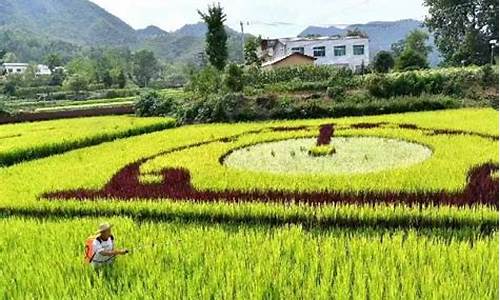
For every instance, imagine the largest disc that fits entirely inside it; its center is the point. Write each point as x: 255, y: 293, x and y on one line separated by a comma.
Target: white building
x: 15, y: 68
x: 20, y: 68
x: 351, y: 52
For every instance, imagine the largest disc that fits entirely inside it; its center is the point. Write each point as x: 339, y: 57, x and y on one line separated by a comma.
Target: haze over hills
x: 33, y: 28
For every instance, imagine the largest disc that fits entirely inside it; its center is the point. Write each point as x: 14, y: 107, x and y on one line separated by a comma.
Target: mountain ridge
x: 34, y: 28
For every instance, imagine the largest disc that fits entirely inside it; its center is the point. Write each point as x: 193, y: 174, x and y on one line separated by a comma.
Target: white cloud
x: 171, y: 15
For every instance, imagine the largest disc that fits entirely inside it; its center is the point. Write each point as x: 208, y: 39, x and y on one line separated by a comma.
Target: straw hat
x: 103, y: 227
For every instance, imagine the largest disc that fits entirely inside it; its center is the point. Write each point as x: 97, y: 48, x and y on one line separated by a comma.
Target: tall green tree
x: 53, y: 60
x: 2, y: 53
x: 411, y: 60
x: 145, y: 67
x: 383, y: 62
x: 416, y: 40
x: 412, y: 53
x: 251, y: 46
x: 121, y: 79
x: 216, y: 38
x: 10, y: 57
x: 463, y: 29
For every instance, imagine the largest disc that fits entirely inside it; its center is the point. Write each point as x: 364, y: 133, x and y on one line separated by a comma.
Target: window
x: 11, y: 70
x: 298, y: 50
x: 339, y: 50
x: 319, y: 51
x: 19, y: 70
x: 358, y: 49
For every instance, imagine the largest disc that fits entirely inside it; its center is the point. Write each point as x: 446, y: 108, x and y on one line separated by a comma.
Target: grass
x: 182, y: 260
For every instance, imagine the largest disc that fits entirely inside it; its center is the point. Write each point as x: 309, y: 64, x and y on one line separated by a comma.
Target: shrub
x: 336, y: 92
x: 411, y: 60
x: 119, y: 93
x: 205, y: 82
x: 76, y: 83
x: 306, y: 73
x: 4, y: 110
x: 459, y: 82
x: 383, y: 62
x: 9, y: 88
x: 233, y: 78
x: 488, y: 76
x: 323, y: 150
x: 153, y: 104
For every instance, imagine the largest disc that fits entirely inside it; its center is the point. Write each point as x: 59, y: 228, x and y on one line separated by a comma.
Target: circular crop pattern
x: 353, y: 155
x: 352, y: 163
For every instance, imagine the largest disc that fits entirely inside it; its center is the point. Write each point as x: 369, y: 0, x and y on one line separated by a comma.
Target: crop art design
x: 176, y: 183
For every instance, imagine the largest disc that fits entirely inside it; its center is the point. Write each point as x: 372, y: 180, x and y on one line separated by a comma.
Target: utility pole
x: 242, y: 40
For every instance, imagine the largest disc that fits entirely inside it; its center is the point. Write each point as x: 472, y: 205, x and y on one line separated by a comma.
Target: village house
x: 20, y: 68
x: 292, y: 59
x: 343, y: 51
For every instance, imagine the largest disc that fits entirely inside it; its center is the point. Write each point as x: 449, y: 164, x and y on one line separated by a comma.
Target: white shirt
x: 99, y: 247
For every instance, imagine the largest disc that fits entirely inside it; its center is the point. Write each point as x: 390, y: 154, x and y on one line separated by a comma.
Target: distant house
x: 15, y: 68
x: 20, y: 68
x: 291, y: 59
x: 342, y: 51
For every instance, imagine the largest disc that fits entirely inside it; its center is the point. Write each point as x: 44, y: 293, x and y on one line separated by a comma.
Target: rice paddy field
x: 386, y: 207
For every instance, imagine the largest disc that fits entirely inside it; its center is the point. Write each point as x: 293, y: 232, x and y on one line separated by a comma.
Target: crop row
x: 23, y: 142
x: 178, y: 260
x: 454, y: 156
x: 175, y: 181
x: 92, y: 168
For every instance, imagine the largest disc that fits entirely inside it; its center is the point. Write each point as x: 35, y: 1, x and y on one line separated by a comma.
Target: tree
x: 463, y: 30
x: 411, y: 60
x: 107, y: 79
x: 356, y: 32
x: 216, y: 38
x: 416, y: 40
x: 10, y: 88
x: 398, y: 47
x: 145, y: 67
x: 83, y: 66
x: 251, y: 46
x: 10, y: 57
x: 76, y: 83
x: 383, y: 62
x: 472, y: 51
x: 412, y: 53
x: 53, y: 60
x: 233, y: 78
x: 2, y: 53
x: 121, y: 79
x: 57, y: 77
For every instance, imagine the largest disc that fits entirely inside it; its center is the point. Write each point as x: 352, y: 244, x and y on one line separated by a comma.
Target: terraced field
x: 386, y: 207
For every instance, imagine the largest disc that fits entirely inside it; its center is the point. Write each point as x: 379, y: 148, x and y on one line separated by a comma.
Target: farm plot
x: 306, y: 209
x: 27, y: 141
x: 189, y: 164
x: 182, y: 260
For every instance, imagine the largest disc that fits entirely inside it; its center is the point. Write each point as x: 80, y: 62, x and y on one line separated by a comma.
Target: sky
x: 261, y: 16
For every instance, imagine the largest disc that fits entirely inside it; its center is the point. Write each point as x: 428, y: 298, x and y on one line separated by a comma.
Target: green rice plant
x: 323, y: 150
x: 93, y: 167
x: 177, y: 260
x: 27, y: 141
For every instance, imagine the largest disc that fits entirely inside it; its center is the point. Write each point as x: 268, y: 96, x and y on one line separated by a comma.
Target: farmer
x: 103, y: 250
